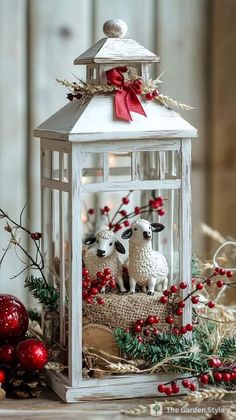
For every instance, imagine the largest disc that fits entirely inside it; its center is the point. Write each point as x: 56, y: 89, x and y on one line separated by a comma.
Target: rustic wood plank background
x: 40, y: 39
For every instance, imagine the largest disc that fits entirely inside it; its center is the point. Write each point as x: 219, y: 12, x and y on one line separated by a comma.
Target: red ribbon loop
x: 126, y: 99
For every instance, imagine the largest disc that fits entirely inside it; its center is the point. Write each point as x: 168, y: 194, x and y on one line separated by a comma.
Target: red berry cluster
x: 174, y: 388
x: 146, y: 327
x: 121, y: 218
x: 36, y: 236
x: 91, y: 288
x: 151, y: 95
x: 170, y: 297
x: 221, y: 372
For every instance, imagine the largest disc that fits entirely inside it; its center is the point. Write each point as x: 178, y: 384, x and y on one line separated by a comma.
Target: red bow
x: 126, y: 99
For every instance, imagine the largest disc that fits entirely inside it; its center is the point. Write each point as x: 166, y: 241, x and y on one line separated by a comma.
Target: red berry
x: 214, y: 362
x: 123, y: 213
x: 99, y: 274
x: 229, y: 273
x: 169, y: 319
x: 163, y: 299
x: 192, y: 386
x: 193, y: 280
x: 183, y: 285
x: 89, y: 299
x: 107, y: 271
x: 140, y: 322
x: 195, y: 299
x: 189, y: 327
x: 161, y: 212
x: 7, y: 353
x: 137, y: 328
x: 226, y: 377
x: 155, y: 331
x: 217, y: 376
x: 186, y: 383
x: 127, y: 330
x: 2, y: 376
x: 166, y: 292
x: 36, y: 236
x: 174, y: 288
x: 147, y: 332
x: 204, y: 378
x: 117, y: 227
x: 112, y: 284
x: 91, y: 211
x: 140, y: 339
x: 199, y: 286
x: 175, y: 389
x: 125, y: 200
x: 161, y: 388
x: 211, y: 304
x: 85, y: 271
x: 175, y: 331
x: 179, y: 311
x: 181, y: 304
x: 106, y: 209
x: 126, y: 223
x: 220, y: 283
x: 233, y: 376
x: 150, y: 320
x: 155, y: 93
x: 149, y: 96
x: 100, y: 301
x: 94, y: 291
x: 84, y: 294
x: 183, y: 330
x: 137, y: 210
x: 168, y: 391
x: 210, y: 282
x: 222, y: 271
x: 156, y: 319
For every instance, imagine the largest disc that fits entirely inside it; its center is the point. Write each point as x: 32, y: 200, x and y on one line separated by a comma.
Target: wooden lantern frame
x: 78, y: 129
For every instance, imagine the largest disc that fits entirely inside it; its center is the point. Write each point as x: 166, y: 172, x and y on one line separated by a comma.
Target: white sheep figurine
x: 146, y: 267
x: 104, y: 255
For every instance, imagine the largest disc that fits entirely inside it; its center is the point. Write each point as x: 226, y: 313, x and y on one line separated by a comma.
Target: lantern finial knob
x: 115, y: 28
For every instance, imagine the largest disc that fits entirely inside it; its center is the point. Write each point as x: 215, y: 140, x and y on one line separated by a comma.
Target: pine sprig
x: 47, y: 296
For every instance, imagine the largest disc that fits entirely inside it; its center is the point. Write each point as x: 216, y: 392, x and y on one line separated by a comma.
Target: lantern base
x: 116, y: 387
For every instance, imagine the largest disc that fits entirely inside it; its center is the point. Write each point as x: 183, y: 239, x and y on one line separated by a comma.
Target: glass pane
x: 65, y: 168
x: 46, y: 163
x: 93, y: 168
x: 47, y: 226
x: 157, y: 165
x: 55, y: 166
x: 119, y: 167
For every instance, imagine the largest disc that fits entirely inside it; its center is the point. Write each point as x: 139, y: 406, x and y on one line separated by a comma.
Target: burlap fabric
x: 123, y: 310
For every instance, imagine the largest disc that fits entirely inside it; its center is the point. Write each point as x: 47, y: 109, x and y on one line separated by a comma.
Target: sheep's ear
x: 90, y: 240
x: 127, y: 234
x: 157, y: 227
x: 119, y: 247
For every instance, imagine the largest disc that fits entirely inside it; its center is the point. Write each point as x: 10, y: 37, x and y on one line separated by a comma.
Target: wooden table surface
x: 50, y: 407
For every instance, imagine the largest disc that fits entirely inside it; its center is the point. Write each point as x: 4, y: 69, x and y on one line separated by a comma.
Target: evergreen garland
x: 47, y: 295
x: 167, y: 344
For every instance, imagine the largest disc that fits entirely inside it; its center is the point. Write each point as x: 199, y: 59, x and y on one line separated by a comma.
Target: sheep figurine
x: 146, y: 267
x: 104, y: 255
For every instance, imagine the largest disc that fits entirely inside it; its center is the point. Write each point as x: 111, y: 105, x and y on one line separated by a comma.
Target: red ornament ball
x: 2, y: 376
x: 14, y: 319
x: 32, y: 354
x: 7, y: 353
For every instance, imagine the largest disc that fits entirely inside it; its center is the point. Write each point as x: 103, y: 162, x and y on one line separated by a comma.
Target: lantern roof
x: 95, y: 120
x: 115, y: 48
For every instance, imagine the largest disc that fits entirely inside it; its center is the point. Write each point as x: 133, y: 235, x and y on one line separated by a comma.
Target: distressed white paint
x: 91, y: 128
x: 95, y: 121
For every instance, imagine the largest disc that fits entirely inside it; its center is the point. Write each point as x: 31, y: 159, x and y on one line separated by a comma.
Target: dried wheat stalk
x: 2, y: 393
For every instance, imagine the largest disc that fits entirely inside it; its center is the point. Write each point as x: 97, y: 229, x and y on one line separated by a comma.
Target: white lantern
x: 87, y: 152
